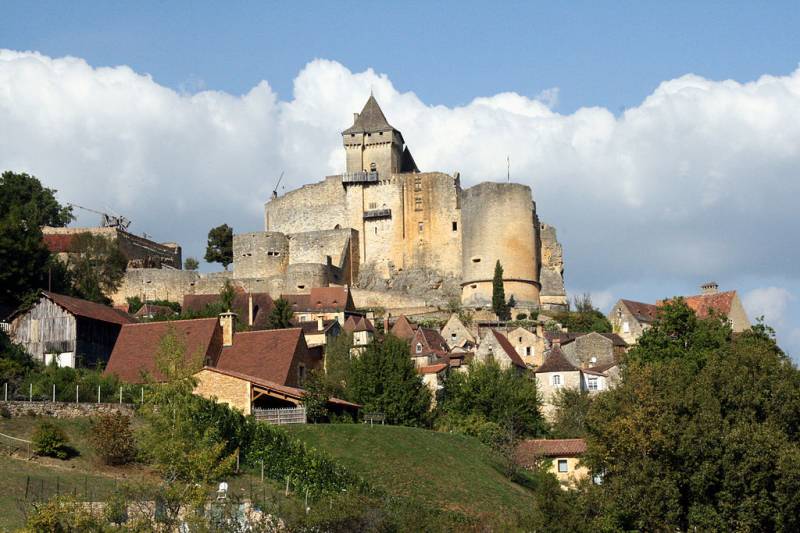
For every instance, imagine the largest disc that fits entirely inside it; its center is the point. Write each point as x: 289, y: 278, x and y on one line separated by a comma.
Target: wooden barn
x: 70, y: 331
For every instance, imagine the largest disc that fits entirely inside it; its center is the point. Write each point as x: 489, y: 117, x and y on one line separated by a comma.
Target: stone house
x: 530, y: 345
x: 456, y: 333
x: 726, y: 303
x: 495, y: 345
x: 427, y: 346
x: 361, y: 329
x: 328, y: 303
x: 319, y: 332
x: 68, y: 331
x: 586, y: 350
x: 433, y: 377
x: 563, y: 457
x: 630, y: 319
x: 279, y: 356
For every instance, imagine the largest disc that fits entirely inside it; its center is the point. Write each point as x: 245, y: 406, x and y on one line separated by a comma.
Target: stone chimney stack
x: 319, y: 323
x: 710, y: 288
x: 250, y: 316
x: 228, y: 322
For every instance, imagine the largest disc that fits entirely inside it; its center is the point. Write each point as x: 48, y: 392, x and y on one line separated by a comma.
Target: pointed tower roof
x: 371, y: 119
x: 408, y: 164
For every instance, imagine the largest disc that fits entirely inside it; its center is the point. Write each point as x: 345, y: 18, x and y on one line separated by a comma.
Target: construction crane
x: 107, y: 220
x: 275, y: 190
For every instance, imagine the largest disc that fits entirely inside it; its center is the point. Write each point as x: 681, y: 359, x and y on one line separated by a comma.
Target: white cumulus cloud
x: 770, y: 302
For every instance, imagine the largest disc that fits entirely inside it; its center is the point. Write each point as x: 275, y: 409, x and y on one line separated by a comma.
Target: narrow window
x: 455, y: 226
x: 556, y: 380
x: 373, y: 167
x: 592, y: 383
x: 301, y: 373
x: 420, y: 227
x: 419, y: 347
x: 562, y: 466
x: 528, y: 350
x: 376, y: 230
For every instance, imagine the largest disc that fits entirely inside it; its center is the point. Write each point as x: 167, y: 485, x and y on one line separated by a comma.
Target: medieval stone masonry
x: 384, y: 227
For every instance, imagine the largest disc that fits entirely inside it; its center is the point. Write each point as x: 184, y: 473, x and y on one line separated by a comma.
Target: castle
x: 381, y: 220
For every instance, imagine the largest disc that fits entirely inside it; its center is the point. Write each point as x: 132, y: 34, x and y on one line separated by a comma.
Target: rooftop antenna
x: 275, y: 190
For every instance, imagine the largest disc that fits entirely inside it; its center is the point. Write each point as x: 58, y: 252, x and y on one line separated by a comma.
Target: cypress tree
x: 499, y: 305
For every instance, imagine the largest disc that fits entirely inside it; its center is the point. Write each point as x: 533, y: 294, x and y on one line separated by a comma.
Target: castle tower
x: 372, y: 144
x: 500, y: 224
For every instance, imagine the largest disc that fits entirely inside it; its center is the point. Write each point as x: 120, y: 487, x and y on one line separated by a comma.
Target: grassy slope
x: 450, y: 471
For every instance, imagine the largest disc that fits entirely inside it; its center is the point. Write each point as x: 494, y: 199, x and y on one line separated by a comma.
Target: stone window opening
x: 562, y: 466
x: 373, y: 167
x: 376, y: 230
x: 301, y: 286
x: 474, y: 286
x: 420, y: 227
x: 419, y: 347
x: 455, y: 226
x: 528, y: 350
x: 557, y: 381
x: 476, y: 259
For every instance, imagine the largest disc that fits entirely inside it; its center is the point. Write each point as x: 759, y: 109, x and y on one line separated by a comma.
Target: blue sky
x: 662, y: 139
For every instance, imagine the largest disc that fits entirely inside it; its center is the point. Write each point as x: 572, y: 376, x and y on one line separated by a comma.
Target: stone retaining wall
x: 65, y: 409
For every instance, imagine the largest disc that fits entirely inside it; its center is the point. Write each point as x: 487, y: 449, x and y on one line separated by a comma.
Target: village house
x: 403, y: 328
x: 263, y: 358
x: 530, y: 345
x: 630, y: 319
x: 328, y: 303
x: 457, y: 334
x: 361, y: 329
x: 427, y: 346
x: 67, y: 331
x: 433, y: 377
x: 320, y: 332
x: 562, y: 456
x: 590, y: 349
x: 495, y: 345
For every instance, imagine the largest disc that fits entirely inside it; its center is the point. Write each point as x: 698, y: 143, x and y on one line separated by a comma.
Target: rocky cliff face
x: 427, y: 284
x: 553, y: 296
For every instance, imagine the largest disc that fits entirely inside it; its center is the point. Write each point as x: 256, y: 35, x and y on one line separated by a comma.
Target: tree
x: 96, y: 267
x: 50, y: 441
x: 112, y: 438
x: 571, y: 409
x: 699, y: 438
x: 25, y: 206
x: 512, y: 303
x: 584, y: 318
x: 499, y: 305
x: 384, y: 379
x: 502, y: 396
x: 281, y: 315
x: 190, y: 263
x: 220, y: 245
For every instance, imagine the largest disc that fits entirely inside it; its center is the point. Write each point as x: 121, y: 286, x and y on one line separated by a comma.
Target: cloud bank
x: 698, y: 182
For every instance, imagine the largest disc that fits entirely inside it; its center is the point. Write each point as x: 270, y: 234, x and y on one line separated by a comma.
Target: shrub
x: 112, y: 439
x: 50, y: 441
x: 522, y: 316
x: 4, y: 412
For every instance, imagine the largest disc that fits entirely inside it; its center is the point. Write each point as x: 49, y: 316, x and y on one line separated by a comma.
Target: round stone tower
x: 499, y: 225
x: 260, y: 254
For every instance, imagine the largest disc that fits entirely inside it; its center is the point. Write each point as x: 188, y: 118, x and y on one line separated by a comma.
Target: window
x: 417, y: 184
x: 418, y: 203
x: 419, y: 347
x: 453, y: 336
x: 592, y: 383
x: 373, y: 205
x: 626, y: 327
x: 420, y: 227
x: 373, y: 167
x: 593, y: 360
x: 301, y: 373
x: 556, y: 380
x: 476, y: 259
x: 528, y: 350
x: 520, y: 340
x: 562, y: 466
x: 376, y: 230
x: 455, y: 226
x: 301, y: 287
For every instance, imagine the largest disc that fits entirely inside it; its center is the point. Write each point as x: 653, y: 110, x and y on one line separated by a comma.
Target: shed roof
x: 87, y: 309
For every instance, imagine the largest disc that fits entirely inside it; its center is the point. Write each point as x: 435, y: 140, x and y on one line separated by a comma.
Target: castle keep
x: 406, y: 220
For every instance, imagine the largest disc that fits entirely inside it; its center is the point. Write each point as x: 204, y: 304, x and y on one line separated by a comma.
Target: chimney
x: 319, y: 323
x: 227, y: 321
x: 710, y: 288
x: 250, y: 316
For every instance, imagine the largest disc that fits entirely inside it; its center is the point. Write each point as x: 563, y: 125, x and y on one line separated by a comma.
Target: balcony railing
x: 377, y: 213
x: 360, y: 177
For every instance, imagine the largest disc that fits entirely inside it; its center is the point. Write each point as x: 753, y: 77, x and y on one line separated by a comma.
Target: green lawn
x: 451, y: 472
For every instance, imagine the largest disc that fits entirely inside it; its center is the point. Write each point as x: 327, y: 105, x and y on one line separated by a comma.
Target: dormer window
x: 373, y: 167
x: 419, y: 347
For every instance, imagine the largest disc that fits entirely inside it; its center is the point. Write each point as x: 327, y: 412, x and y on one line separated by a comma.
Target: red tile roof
x: 403, y: 328
x: 87, y: 309
x: 138, y: 344
x: 556, y: 361
x: 508, y: 348
x: 702, y: 304
x: 266, y: 354
x: 358, y: 323
x: 58, y: 243
x: 322, y: 299
x: 530, y: 450
x: 432, y: 369
x: 644, y: 313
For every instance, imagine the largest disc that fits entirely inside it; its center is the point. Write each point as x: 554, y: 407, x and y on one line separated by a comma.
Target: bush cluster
x: 50, y: 441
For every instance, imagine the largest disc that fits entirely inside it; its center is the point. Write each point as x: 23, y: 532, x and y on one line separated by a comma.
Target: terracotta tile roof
x: 137, y: 346
x: 644, y: 313
x: 265, y: 354
x: 432, y: 369
x: 298, y: 302
x: 262, y: 306
x: 358, y: 323
x: 292, y: 392
x: 508, y: 348
x: 702, y: 304
x: 403, y: 328
x: 530, y: 450
x: 87, y: 309
x: 322, y: 299
x: 58, y: 243
x: 556, y: 361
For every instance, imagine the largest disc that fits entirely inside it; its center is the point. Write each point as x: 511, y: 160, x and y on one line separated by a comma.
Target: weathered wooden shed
x: 71, y: 331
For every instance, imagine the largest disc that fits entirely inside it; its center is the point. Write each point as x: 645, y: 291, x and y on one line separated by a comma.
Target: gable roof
x: 403, y: 328
x: 356, y: 323
x: 262, y: 306
x: 147, y: 310
x: 311, y: 327
x: 601, y: 369
x: 370, y: 119
x: 566, y: 338
x: 265, y: 354
x: 432, y: 369
x: 321, y: 299
x: 137, y: 346
x: 508, y: 348
x: 87, y: 309
x: 643, y: 312
x: 529, y: 450
x: 556, y: 361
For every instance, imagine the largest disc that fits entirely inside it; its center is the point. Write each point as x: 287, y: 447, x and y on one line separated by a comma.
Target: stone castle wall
x: 499, y: 226
x: 260, y: 254
x: 319, y: 206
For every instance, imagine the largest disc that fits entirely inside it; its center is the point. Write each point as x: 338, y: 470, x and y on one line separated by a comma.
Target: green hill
x: 451, y: 472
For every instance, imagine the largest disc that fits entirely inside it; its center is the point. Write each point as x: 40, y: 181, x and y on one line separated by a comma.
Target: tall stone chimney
x: 710, y: 288
x: 319, y: 323
x: 250, y: 316
x: 228, y: 322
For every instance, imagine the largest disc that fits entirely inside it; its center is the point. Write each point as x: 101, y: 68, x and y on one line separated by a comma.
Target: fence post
x: 98, y: 394
x: 76, y: 394
x: 54, y: 393
x: 142, y: 395
x: 30, y: 392
x: 5, y: 386
x: 120, y: 394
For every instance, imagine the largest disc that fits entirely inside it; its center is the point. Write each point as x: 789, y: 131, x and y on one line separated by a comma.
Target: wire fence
x: 39, y: 392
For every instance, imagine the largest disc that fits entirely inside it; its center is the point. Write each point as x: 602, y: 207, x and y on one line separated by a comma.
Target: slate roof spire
x: 371, y: 119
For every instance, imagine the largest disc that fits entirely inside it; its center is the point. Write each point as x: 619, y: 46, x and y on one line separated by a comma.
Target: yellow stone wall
x: 226, y: 389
